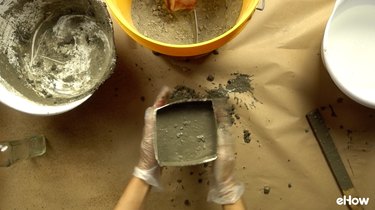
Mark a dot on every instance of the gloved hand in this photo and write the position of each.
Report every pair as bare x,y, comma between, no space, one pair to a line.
175,5
224,188
148,168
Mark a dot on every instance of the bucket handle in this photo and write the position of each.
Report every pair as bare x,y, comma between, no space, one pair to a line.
261,5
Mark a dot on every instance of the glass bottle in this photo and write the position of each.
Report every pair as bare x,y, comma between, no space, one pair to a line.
12,151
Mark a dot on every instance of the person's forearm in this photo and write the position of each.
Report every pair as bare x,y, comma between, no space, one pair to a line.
133,196
239,205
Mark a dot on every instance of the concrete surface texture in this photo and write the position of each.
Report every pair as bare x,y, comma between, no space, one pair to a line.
92,149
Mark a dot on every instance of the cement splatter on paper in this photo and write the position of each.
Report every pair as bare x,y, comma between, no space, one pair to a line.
239,84
183,93
246,136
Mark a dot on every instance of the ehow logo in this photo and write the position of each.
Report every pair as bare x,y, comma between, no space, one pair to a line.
349,200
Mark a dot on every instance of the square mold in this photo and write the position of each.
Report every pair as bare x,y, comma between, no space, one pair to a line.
186,133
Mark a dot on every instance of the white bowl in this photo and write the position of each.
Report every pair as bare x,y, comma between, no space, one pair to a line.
348,49
14,99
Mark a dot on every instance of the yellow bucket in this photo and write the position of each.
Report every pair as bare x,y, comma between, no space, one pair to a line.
121,10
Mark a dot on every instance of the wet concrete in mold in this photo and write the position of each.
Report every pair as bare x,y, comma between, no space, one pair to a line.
186,133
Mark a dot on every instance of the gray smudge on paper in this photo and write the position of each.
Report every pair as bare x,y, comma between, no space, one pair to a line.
219,92
182,93
246,136
241,83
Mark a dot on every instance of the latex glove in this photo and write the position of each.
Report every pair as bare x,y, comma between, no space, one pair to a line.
224,189
148,168
175,5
